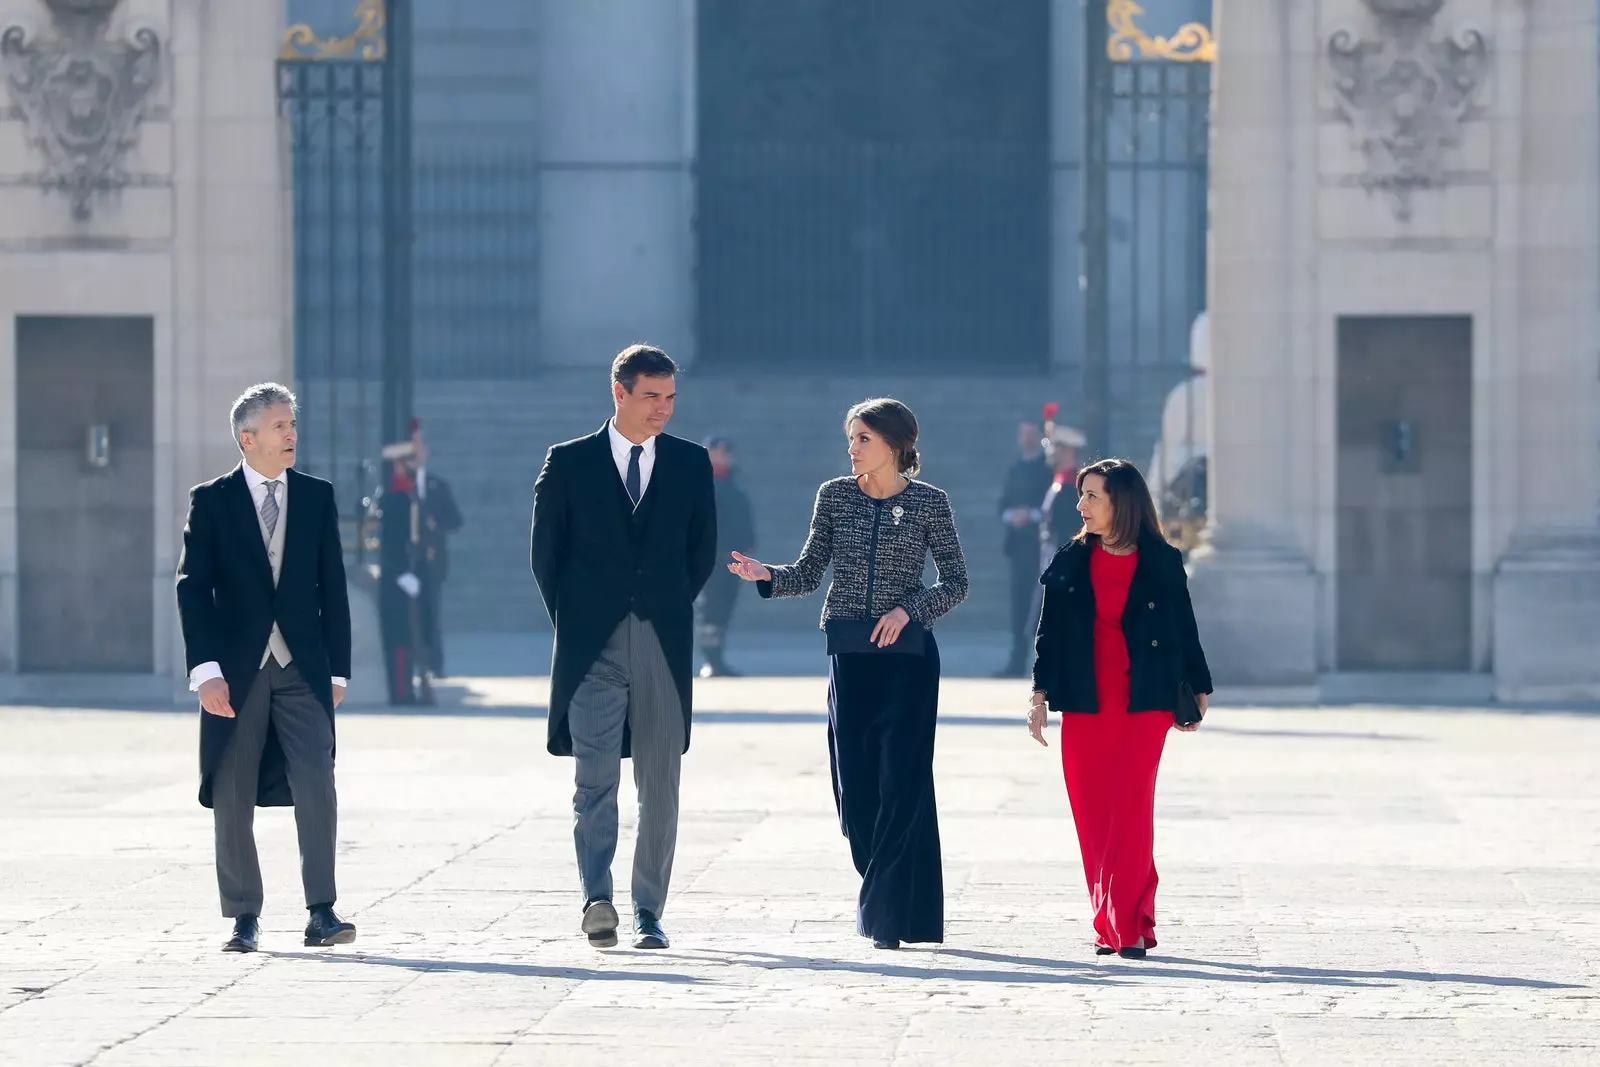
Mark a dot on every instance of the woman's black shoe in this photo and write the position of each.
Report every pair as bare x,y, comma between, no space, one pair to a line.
886,942
1131,953
1103,950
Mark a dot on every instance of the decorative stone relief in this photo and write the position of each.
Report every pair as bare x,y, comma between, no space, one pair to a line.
82,95
1405,94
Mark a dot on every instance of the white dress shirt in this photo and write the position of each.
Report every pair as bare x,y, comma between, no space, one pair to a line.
622,448
258,493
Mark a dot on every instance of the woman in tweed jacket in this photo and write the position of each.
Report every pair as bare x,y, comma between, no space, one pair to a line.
876,528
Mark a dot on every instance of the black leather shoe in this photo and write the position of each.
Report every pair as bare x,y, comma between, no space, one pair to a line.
1130,953
326,928
1104,950
600,923
648,929
886,942
246,929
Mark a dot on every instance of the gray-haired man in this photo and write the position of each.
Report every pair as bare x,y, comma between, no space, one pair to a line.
266,631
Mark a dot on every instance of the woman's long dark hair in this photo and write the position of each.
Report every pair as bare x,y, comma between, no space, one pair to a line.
1133,512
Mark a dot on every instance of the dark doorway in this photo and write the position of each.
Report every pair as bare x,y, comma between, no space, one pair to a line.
1405,493
85,493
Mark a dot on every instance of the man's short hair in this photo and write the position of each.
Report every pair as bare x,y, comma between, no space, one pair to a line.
246,411
641,361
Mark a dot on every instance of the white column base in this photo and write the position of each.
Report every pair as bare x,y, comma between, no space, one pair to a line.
1257,611
1547,619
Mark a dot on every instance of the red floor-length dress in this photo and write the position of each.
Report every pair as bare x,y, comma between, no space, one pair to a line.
1110,761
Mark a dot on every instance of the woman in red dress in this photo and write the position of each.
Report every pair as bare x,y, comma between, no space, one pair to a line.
1117,653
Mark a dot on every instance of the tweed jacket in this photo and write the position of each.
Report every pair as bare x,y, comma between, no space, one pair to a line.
878,549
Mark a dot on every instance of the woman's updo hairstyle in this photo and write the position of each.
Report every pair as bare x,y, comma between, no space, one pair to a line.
894,422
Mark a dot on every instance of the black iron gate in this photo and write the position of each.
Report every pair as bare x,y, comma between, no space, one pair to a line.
1146,125
345,103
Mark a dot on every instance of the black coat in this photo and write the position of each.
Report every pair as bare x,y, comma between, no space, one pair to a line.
1158,624
596,558
227,605
440,519
1026,484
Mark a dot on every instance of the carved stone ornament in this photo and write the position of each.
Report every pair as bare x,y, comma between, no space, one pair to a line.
1405,94
82,95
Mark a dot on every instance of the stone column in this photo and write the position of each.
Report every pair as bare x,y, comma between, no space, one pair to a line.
1253,586
1547,581
616,195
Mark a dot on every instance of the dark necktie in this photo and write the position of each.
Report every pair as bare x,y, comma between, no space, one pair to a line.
632,481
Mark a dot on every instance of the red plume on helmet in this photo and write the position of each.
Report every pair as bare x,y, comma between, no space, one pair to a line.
1051,410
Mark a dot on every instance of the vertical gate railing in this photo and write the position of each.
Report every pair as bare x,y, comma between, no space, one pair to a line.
345,105
1146,128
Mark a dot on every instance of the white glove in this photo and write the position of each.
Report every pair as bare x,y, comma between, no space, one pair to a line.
410,584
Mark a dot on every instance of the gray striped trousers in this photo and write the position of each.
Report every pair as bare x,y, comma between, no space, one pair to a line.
628,683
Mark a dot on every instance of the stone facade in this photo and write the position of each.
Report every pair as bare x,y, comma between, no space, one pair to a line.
182,221
1402,158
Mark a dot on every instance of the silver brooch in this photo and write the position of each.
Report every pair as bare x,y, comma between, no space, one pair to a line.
898,512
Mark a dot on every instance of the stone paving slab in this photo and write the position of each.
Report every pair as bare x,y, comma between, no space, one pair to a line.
1339,886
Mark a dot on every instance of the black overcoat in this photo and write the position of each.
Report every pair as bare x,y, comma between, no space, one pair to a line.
596,558
1157,623
227,605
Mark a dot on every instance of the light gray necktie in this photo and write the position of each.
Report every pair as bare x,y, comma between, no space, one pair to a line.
269,508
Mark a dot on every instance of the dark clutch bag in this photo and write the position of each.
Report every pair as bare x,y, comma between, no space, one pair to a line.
851,636
1188,710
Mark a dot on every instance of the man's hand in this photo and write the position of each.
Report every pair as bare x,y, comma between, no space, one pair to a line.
338,695
214,698
1019,516
409,584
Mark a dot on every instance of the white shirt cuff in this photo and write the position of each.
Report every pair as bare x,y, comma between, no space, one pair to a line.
211,669
203,674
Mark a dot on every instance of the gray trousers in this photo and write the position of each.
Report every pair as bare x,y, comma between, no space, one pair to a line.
630,683
281,697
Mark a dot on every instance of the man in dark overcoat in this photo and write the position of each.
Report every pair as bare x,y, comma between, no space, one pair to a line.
439,518
1021,514
624,537
266,633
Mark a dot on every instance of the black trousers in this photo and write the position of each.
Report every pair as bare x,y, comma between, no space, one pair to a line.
1023,573
882,709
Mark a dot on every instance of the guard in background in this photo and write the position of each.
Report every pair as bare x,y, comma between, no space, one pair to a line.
400,558
439,519
1021,516
736,532
1062,445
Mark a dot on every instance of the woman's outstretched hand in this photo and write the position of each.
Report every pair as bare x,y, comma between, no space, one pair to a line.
1200,699
751,570
1036,717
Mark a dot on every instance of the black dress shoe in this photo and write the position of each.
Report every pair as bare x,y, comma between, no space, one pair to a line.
1128,952
326,928
886,942
600,923
1104,950
246,929
648,929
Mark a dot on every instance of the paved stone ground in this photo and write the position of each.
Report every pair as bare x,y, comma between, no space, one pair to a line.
1338,886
